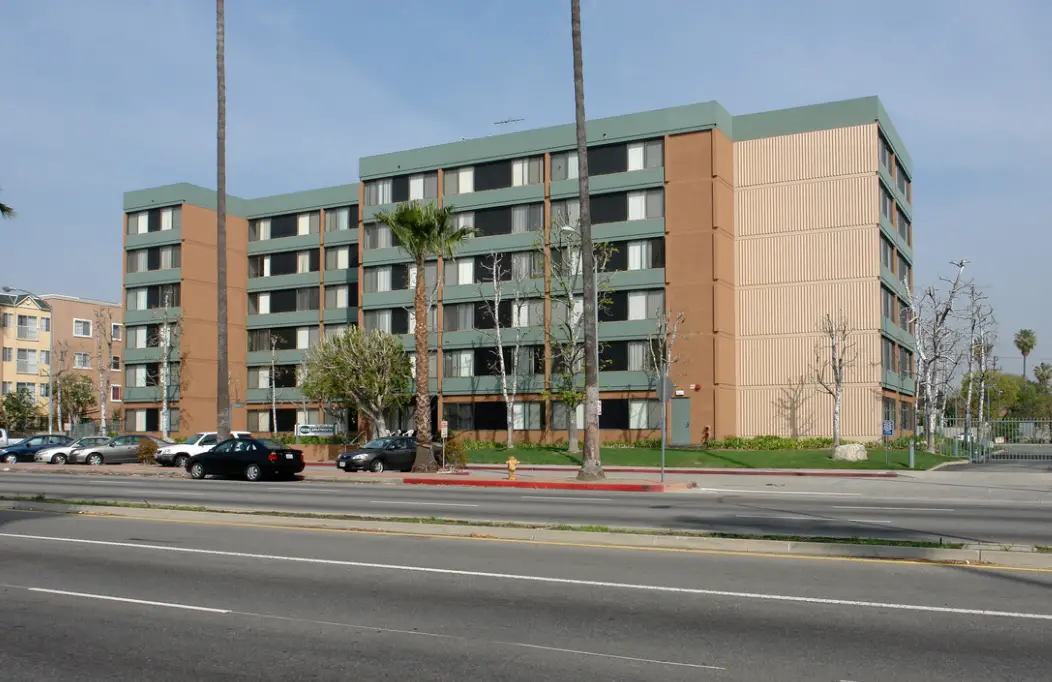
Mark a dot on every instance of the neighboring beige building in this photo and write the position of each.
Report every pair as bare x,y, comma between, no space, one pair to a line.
26,327
84,329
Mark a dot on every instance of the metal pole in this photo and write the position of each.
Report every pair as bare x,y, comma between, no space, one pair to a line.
50,370
664,415
885,451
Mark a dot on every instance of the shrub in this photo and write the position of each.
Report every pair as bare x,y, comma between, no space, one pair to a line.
770,443
456,454
147,452
483,445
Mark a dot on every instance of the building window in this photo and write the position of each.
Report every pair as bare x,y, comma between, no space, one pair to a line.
559,414
458,181
81,361
527,171
887,254
378,236
45,324
646,204
137,337
528,218
905,362
526,416
336,297
259,230
115,363
423,186
887,304
903,270
29,388
45,390
377,280
27,361
564,166
155,220
889,409
527,265
640,356
378,192
45,357
116,393
458,317
8,354
306,337
136,376
905,316
458,364
646,305
644,414
8,320
887,355
27,328
644,254
7,387
884,152
337,219
82,328
902,223
566,213
116,331
460,271
378,319
902,180
644,155
887,204
339,257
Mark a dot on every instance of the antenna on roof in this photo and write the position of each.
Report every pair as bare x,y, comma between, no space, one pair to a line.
507,121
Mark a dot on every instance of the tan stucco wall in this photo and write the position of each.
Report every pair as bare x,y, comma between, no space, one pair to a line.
807,244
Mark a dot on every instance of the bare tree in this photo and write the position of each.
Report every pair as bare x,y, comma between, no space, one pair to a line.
273,384
790,404
979,319
59,365
662,357
168,340
103,328
834,356
507,294
222,356
938,347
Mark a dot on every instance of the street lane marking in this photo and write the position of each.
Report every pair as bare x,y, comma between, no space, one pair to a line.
916,509
822,601
424,504
373,628
559,498
780,518
867,521
168,605
772,492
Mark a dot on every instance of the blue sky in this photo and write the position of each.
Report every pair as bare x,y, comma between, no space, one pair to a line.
105,96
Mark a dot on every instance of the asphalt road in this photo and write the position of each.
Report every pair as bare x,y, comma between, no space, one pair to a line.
955,508
85,598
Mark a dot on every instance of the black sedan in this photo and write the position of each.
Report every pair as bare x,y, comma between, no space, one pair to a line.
26,450
253,458
382,454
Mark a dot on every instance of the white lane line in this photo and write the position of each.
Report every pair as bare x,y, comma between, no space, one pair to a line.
423,504
772,492
781,518
542,579
868,521
373,628
558,498
162,493
912,509
168,605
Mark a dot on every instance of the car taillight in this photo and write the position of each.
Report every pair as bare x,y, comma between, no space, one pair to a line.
273,457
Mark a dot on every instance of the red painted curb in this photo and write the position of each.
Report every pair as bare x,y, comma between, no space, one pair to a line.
556,485
713,472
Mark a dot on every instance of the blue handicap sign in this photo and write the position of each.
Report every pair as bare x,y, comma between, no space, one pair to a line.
889,428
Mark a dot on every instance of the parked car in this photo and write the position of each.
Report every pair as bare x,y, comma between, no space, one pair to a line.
60,454
179,454
253,458
122,449
395,453
27,449
7,441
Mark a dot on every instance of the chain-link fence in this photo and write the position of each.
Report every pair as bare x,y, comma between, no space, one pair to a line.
995,440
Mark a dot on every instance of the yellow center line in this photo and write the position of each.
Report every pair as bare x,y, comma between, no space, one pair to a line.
478,536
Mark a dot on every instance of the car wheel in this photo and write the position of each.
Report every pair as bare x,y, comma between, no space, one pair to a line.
58,459
253,472
10,459
197,470
180,462
95,459
376,466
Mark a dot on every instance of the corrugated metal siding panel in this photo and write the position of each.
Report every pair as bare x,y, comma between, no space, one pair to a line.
768,411
806,206
808,257
806,156
798,309
777,361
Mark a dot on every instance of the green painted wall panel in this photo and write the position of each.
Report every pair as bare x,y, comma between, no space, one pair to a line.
348,276
140,355
255,396
369,212
625,381
340,315
154,316
165,238
308,200
613,182
403,298
301,241
394,254
895,238
897,334
341,237
299,318
892,187
284,357
296,281
630,229
496,197
532,383
143,279
184,192
888,278
146,394
634,329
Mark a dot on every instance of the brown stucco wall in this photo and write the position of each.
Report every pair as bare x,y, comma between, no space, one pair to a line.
699,275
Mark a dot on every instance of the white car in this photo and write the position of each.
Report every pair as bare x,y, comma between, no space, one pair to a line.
62,454
177,455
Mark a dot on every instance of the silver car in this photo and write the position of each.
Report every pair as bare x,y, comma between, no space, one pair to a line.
60,454
120,450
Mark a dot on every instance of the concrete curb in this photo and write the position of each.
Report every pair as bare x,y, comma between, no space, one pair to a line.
704,472
254,517
626,487
947,465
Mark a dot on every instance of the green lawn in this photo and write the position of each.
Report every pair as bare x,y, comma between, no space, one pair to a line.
737,459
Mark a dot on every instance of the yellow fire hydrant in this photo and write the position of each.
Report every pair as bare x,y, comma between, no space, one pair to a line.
512,464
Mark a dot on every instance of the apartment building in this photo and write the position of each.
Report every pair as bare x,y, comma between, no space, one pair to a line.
26,363
753,227
89,337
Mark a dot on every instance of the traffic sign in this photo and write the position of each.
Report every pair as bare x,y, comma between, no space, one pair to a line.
599,407
443,427
888,428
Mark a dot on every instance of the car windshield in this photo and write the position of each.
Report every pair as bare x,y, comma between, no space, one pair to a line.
93,440
378,444
270,444
192,439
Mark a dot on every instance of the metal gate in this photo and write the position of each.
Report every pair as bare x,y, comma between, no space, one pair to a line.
1002,440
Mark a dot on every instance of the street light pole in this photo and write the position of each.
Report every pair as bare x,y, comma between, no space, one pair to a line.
50,358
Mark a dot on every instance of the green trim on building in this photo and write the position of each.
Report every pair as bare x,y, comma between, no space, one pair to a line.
276,282
258,358
152,316
258,396
148,239
150,277
307,200
278,204
139,356
296,243
302,318
670,121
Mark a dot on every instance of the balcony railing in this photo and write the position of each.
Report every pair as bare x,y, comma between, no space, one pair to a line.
24,367
28,333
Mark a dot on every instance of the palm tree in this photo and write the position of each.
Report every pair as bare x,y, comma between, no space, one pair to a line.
222,357
423,231
6,211
591,467
1025,340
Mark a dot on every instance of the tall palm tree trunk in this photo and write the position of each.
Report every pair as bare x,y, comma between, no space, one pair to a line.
591,467
425,460
222,359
